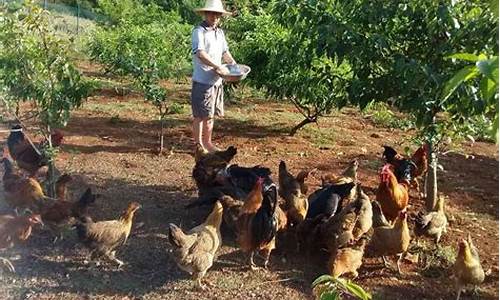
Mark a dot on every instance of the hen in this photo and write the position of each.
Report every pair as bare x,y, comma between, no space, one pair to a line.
350,174
25,155
15,229
194,251
208,166
392,195
102,238
257,224
392,239
329,199
467,269
21,192
348,260
365,216
62,212
432,224
290,189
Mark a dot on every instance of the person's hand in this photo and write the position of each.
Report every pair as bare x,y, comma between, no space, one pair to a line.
221,70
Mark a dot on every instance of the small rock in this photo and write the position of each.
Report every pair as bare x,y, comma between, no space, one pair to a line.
375,135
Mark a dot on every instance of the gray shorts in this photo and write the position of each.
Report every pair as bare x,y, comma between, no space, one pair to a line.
207,100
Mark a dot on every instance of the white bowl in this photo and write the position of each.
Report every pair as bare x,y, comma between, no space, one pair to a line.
236,73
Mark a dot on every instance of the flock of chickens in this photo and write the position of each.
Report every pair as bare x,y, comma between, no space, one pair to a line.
338,218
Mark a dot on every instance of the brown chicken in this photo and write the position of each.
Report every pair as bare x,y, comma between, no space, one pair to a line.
432,224
194,251
467,269
350,174
337,232
290,189
62,212
392,239
102,238
392,195
62,186
257,224
25,155
348,260
21,192
15,229
209,165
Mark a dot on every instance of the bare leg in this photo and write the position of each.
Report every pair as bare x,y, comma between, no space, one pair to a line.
198,277
386,264
9,265
113,258
459,292
208,126
197,130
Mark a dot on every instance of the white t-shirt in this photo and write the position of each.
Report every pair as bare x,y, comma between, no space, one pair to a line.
214,43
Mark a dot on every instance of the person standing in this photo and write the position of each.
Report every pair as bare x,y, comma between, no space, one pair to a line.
209,49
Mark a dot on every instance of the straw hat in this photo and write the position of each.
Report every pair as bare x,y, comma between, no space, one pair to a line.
213,5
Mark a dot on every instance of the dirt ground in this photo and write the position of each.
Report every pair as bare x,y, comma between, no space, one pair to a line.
111,143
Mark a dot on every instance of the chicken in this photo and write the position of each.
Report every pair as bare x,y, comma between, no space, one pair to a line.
378,216
24,153
194,251
233,181
347,260
61,186
208,165
365,217
432,224
392,196
257,224
62,212
104,237
350,174
392,239
467,269
281,218
231,213
290,190
337,232
328,200
15,229
408,169
21,192
308,233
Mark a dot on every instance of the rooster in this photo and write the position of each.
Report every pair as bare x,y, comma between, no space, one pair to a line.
15,229
467,268
408,169
62,212
194,251
392,195
23,152
103,237
257,224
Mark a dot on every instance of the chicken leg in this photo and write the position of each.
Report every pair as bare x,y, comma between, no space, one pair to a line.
251,262
112,257
197,277
267,253
8,264
400,256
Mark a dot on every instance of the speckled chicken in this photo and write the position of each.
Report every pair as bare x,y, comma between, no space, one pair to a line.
432,224
194,251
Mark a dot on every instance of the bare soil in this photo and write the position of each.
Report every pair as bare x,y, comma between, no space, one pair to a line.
111,146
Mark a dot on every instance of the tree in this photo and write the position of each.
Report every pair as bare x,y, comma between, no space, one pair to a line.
36,67
145,43
283,65
398,53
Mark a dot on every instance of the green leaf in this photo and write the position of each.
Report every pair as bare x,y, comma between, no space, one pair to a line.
467,56
494,7
488,88
489,68
355,289
494,129
322,279
461,76
330,295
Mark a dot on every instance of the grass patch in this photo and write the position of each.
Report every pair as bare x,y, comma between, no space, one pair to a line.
435,261
382,115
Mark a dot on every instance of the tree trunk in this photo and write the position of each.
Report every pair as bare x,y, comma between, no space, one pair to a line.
51,186
431,187
301,124
162,125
